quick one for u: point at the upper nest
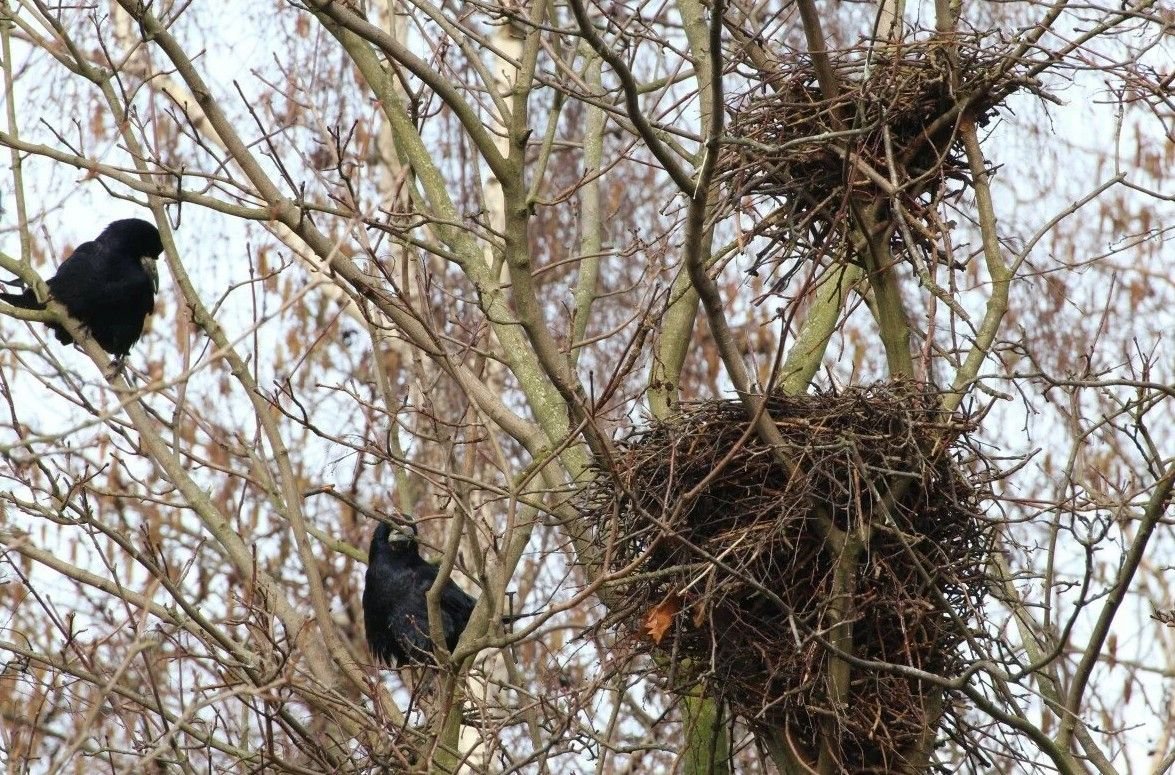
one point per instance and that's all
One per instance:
(730, 552)
(891, 127)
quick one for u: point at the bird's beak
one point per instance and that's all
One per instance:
(400, 531)
(150, 264)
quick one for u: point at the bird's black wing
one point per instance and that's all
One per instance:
(111, 293)
(384, 611)
(456, 607)
(77, 284)
(375, 615)
(456, 604)
(408, 625)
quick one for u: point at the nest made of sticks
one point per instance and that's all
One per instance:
(897, 112)
(727, 553)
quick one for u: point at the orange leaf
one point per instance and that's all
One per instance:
(658, 619)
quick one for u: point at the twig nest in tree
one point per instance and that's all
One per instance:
(748, 567)
(793, 160)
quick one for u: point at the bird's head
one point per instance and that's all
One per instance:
(393, 535)
(136, 237)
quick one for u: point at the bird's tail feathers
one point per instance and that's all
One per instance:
(511, 618)
(25, 300)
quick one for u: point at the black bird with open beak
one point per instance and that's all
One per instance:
(108, 285)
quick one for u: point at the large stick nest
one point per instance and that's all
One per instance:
(727, 553)
(890, 134)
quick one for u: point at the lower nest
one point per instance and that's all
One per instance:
(747, 567)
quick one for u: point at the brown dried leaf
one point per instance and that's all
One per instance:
(660, 617)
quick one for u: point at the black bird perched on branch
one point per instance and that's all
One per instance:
(108, 285)
(395, 610)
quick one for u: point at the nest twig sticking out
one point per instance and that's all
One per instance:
(735, 570)
(897, 112)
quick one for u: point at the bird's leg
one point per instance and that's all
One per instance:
(117, 366)
(132, 375)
